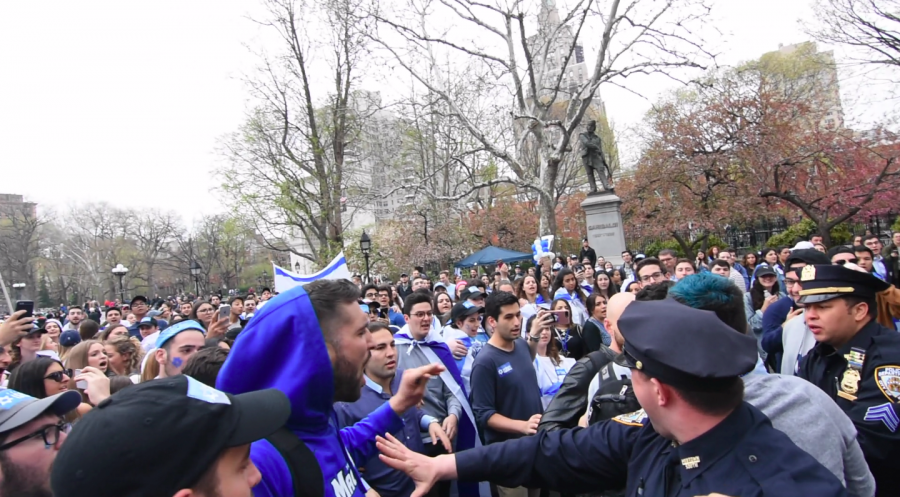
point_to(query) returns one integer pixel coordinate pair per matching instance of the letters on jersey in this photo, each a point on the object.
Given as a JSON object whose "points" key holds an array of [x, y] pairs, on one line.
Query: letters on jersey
{"points": [[344, 483]]}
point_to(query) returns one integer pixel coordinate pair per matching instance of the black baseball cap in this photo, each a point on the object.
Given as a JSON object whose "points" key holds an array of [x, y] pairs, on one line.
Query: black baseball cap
{"points": [[765, 270], [161, 436], [471, 292], [686, 348], [138, 298], [464, 309]]}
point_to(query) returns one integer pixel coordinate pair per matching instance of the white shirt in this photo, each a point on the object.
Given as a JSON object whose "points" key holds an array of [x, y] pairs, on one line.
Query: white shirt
{"points": [[550, 376]]}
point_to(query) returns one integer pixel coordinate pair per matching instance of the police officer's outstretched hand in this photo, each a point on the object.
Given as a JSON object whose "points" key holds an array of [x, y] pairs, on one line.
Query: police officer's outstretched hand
{"points": [[423, 470]]}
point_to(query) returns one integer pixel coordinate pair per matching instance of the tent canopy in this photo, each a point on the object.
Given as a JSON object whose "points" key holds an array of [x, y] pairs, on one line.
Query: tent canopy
{"points": [[490, 255]]}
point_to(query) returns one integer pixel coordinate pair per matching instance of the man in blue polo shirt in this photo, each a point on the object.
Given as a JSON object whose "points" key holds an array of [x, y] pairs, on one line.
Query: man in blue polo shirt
{"points": [[382, 382]]}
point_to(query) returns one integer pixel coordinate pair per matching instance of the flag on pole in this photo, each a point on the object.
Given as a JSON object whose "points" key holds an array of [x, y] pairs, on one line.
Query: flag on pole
{"points": [[335, 270]]}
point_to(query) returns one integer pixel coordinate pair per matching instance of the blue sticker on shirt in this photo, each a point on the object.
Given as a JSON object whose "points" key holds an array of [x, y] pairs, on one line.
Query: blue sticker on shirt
{"points": [[9, 398], [206, 393], [504, 369]]}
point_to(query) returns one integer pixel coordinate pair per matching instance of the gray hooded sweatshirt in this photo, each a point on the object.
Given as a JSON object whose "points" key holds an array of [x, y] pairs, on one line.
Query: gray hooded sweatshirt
{"points": [[814, 423]]}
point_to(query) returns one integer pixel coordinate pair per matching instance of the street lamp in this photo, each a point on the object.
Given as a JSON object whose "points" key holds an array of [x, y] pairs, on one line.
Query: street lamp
{"points": [[365, 244], [120, 271], [196, 269], [19, 287]]}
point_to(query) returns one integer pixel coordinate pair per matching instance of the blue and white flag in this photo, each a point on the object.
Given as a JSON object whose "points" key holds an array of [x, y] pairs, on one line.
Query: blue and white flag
{"points": [[542, 247], [335, 270]]}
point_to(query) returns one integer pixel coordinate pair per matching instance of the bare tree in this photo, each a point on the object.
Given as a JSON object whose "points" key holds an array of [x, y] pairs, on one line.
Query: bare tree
{"points": [[288, 163], [870, 27], [153, 233], [545, 109], [20, 243]]}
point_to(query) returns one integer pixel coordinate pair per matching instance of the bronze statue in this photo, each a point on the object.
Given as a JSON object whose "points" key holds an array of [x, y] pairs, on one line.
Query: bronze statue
{"points": [[594, 161]]}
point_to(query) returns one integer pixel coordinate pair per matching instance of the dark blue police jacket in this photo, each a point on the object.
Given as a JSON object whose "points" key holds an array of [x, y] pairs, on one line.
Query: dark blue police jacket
{"points": [[743, 455]]}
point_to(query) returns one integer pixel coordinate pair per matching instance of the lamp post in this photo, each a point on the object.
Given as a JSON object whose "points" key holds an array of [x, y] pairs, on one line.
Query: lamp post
{"points": [[265, 279], [19, 287], [365, 244], [120, 271], [196, 269]]}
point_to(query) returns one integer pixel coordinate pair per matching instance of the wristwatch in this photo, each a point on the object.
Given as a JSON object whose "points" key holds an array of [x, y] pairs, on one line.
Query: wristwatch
{"points": [[532, 338]]}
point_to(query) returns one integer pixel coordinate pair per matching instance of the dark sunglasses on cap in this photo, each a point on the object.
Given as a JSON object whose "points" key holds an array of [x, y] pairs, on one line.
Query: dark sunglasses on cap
{"points": [[57, 376], [842, 262]]}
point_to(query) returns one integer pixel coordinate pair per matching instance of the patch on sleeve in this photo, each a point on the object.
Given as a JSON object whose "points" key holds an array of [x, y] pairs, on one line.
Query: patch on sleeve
{"points": [[635, 418], [884, 413], [888, 380]]}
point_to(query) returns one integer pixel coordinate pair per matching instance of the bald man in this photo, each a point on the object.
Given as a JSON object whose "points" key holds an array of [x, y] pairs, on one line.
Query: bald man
{"points": [[572, 402], [614, 309]]}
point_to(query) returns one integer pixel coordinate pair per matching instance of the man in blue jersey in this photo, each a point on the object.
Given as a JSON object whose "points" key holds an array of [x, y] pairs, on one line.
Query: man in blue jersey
{"points": [[312, 343]]}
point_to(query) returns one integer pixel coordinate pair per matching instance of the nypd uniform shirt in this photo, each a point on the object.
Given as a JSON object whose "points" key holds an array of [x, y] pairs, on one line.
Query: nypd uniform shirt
{"points": [[863, 377], [742, 456]]}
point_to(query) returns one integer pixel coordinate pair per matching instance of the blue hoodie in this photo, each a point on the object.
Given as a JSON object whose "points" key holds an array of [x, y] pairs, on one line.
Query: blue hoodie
{"points": [[282, 347]]}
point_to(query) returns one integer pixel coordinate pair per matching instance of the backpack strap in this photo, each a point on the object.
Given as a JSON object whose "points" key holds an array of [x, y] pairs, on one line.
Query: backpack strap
{"points": [[306, 475]]}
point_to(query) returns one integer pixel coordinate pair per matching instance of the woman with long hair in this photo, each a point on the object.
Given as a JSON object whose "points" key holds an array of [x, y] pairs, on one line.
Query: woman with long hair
{"points": [[442, 306], [604, 286], [764, 291], [203, 312], [770, 259], [551, 368], [528, 292], [25, 349], [749, 262], [54, 328], [565, 286], [608, 266], [90, 358], [124, 357], [113, 332], [713, 253], [566, 332], [700, 262], [46, 376], [594, 332], [617, 276], [546, 284]]}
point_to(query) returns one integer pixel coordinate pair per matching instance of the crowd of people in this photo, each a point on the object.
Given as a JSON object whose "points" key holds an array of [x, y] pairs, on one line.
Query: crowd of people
{"points": [[768, 373]]}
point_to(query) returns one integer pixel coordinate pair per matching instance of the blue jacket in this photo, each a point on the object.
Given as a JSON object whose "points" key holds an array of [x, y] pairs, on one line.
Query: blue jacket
{"points": [[387, 481], [772, 320], [282, 347]]}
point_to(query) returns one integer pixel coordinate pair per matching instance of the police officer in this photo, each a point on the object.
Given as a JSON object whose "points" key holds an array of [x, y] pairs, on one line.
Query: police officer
{"points": [[856, 361], [686, 366]]}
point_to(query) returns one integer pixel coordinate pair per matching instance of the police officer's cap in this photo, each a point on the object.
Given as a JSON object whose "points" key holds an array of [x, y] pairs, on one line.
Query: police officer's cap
{"points": [[686, 348], [827, 282]]}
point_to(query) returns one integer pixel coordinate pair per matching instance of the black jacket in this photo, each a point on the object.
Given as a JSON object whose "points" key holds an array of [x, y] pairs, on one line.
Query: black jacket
{"points": [[570, 402], [590, 254]]}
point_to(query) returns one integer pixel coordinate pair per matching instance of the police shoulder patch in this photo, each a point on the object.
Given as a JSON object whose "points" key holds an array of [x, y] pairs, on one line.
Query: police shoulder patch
{"points": [[635, 418], [888, 380]]}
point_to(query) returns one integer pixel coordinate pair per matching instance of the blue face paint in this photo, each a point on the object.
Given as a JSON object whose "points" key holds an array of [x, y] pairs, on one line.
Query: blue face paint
{"points": [[176, 361]]}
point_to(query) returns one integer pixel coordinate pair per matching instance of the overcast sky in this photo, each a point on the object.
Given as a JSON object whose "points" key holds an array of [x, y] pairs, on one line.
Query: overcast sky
{"points": [[124, 101]]}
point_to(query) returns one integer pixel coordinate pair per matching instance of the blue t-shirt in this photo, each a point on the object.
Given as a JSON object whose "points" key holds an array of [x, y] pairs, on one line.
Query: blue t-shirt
{"points": [[504, 383]]}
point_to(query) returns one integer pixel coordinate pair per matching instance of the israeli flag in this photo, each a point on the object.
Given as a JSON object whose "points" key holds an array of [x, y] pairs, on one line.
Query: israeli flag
{"points": [[335, 270], [542, 247]]}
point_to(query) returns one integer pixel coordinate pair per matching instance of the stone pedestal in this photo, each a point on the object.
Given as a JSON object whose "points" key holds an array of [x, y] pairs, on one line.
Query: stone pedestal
{"points": [[605, 232]]}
